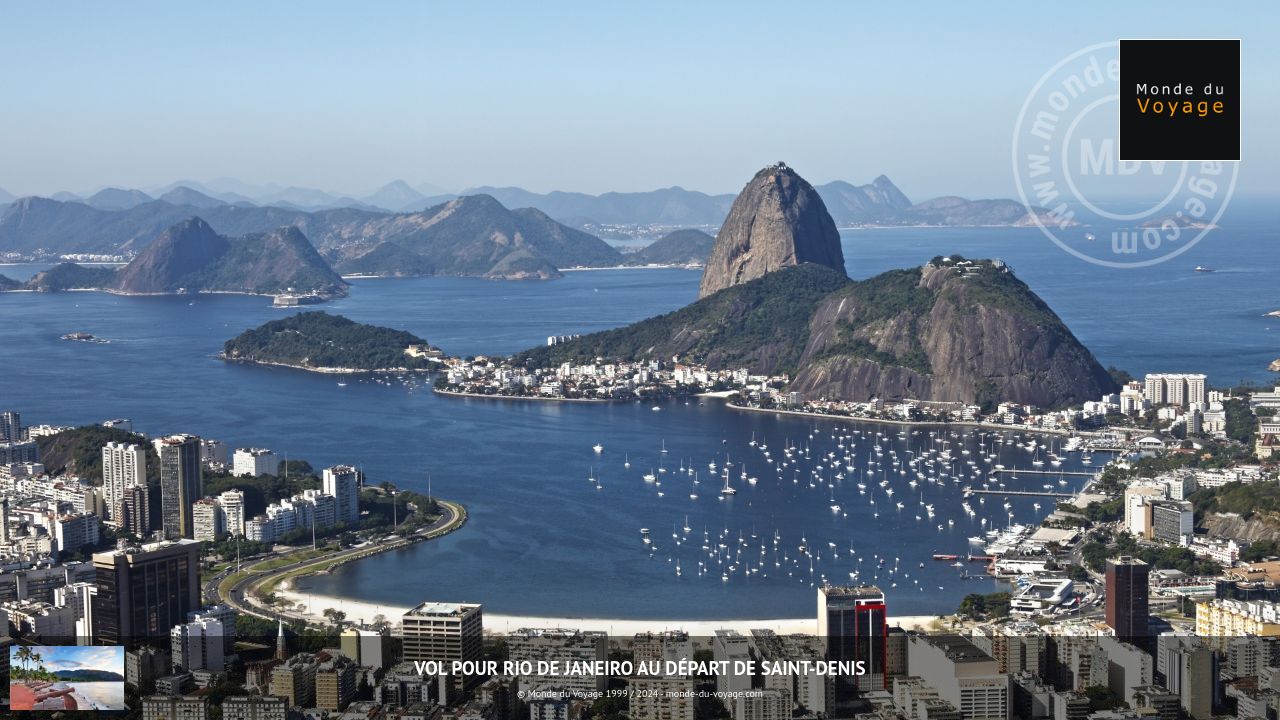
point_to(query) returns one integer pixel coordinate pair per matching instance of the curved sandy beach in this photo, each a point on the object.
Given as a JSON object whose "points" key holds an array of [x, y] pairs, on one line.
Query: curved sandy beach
{"points": [[359, 611]]}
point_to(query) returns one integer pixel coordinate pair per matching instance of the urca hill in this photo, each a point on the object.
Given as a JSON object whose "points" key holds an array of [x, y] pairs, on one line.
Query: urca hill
{"points": [[776, 298]]}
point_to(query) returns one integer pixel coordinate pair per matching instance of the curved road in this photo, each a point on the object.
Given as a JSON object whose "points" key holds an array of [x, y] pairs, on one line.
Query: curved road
{"points": [[236, 594]]}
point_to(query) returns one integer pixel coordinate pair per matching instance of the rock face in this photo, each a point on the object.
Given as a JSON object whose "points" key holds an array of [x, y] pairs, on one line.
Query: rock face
{"points": [[778, 220], [180, 251], [190, 256], [959, 331]]}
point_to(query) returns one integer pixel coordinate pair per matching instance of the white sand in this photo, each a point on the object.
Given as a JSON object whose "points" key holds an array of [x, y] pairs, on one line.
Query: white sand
{"points": [[356, 610]]}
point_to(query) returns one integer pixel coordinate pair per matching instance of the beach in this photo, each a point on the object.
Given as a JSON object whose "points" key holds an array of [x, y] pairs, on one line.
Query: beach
{"points": [[314, 606]]}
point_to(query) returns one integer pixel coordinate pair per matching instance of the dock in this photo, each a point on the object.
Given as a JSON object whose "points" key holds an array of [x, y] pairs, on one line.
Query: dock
{"points": [[1026, 493], [1073, 473]]}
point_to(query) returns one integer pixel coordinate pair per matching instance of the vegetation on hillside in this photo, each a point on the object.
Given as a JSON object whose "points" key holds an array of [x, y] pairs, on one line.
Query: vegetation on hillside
{"points": [[79, 451], [72, 276], [320, 340], [766, 319], [883, 298], [1159, 557], [1243, 499]]}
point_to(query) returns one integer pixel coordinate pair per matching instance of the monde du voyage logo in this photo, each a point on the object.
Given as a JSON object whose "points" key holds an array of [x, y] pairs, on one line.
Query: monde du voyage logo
{"points": [[1124, 152]]}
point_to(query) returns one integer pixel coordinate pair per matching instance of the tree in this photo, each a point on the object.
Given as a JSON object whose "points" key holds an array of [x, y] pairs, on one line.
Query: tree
{"points": [[337, 617]]}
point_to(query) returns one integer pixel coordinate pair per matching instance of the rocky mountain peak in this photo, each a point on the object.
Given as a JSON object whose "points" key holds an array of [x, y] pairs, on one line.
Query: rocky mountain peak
{"points": [[777, 221]]}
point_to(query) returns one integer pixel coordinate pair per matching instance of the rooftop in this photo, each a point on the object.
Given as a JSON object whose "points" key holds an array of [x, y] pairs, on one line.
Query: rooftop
{"points": [[443, 609], [956, 648]]}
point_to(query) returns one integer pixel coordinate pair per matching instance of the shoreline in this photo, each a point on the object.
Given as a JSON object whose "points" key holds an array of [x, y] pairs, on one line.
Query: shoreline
{"points": [[322, 370], [887, 421], [538, 398], [633, 267], [364, 611]]}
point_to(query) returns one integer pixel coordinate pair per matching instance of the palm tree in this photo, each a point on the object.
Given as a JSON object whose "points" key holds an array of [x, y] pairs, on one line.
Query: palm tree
{"points": [[24, 656]]}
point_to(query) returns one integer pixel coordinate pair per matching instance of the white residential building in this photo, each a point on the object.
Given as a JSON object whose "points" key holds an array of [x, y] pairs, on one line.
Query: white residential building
{"points": [[206, 518], [231, 502], [252, 462], [341, 481], [124, 465]]}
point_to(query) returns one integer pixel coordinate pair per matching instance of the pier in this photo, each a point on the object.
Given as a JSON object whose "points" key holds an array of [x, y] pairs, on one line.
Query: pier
{"points": [[1055, 473], [1027, 493]]}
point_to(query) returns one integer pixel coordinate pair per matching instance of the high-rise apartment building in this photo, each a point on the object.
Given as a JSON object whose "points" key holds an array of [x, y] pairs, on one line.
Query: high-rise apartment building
{"points": [[341, 481], [124, 465], [181, 483], [1127, 611]]}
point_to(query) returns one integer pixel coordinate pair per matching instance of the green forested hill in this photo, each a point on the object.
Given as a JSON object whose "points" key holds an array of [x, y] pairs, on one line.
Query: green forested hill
{"points": [[317, 340]]}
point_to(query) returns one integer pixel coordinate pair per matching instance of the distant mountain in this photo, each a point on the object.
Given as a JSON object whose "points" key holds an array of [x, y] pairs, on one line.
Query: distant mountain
{"points": [[185, 196], [64, 196], [956, 211], [7, 284], [777, 221], [117, 199], [89, 675], [427, 189], [473, 235], [852, 203], [5, 197], [70, 276], [33, 224], [387, 259], [882, 203], [668, 206], [190, 256], [396, 196], [681, 247], [300, 198]]}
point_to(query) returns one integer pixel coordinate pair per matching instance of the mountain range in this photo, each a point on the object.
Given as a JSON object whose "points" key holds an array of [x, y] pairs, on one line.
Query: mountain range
{"points": [[472, 235], [775, 298], [877, 203]]}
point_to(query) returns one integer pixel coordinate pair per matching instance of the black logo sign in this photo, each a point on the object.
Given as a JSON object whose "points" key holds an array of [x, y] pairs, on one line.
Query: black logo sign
{"points": [[1179, 99]]}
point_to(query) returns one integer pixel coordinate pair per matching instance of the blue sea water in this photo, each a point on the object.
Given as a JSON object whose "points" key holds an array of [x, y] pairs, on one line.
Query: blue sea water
{"points": [[541, 539]]}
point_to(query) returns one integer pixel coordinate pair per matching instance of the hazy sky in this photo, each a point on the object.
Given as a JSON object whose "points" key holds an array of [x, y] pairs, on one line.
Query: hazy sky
{"points": [[589, 97]]}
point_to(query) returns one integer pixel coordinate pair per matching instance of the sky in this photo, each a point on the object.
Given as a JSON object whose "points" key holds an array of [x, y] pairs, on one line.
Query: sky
{"points": [[589, 97], [78, 657]]}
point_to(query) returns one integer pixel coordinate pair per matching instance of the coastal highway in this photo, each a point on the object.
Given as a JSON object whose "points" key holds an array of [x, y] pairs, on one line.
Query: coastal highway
{"points": [[232, 588]]}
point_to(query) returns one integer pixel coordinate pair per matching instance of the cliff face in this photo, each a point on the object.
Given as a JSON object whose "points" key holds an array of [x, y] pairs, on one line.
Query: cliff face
{"points": [[164, 265], [965, 331], [778, 220]]}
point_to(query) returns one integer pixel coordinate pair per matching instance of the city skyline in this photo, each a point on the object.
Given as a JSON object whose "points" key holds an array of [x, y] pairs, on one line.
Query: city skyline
{"points": [[611, 100]]}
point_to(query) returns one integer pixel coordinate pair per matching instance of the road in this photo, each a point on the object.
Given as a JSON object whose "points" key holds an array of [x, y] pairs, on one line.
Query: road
{"points": [[236, 594]]}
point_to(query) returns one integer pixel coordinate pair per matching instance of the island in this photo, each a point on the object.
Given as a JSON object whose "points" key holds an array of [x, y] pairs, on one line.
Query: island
{"points": [[85, 337], [319, 342]]}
